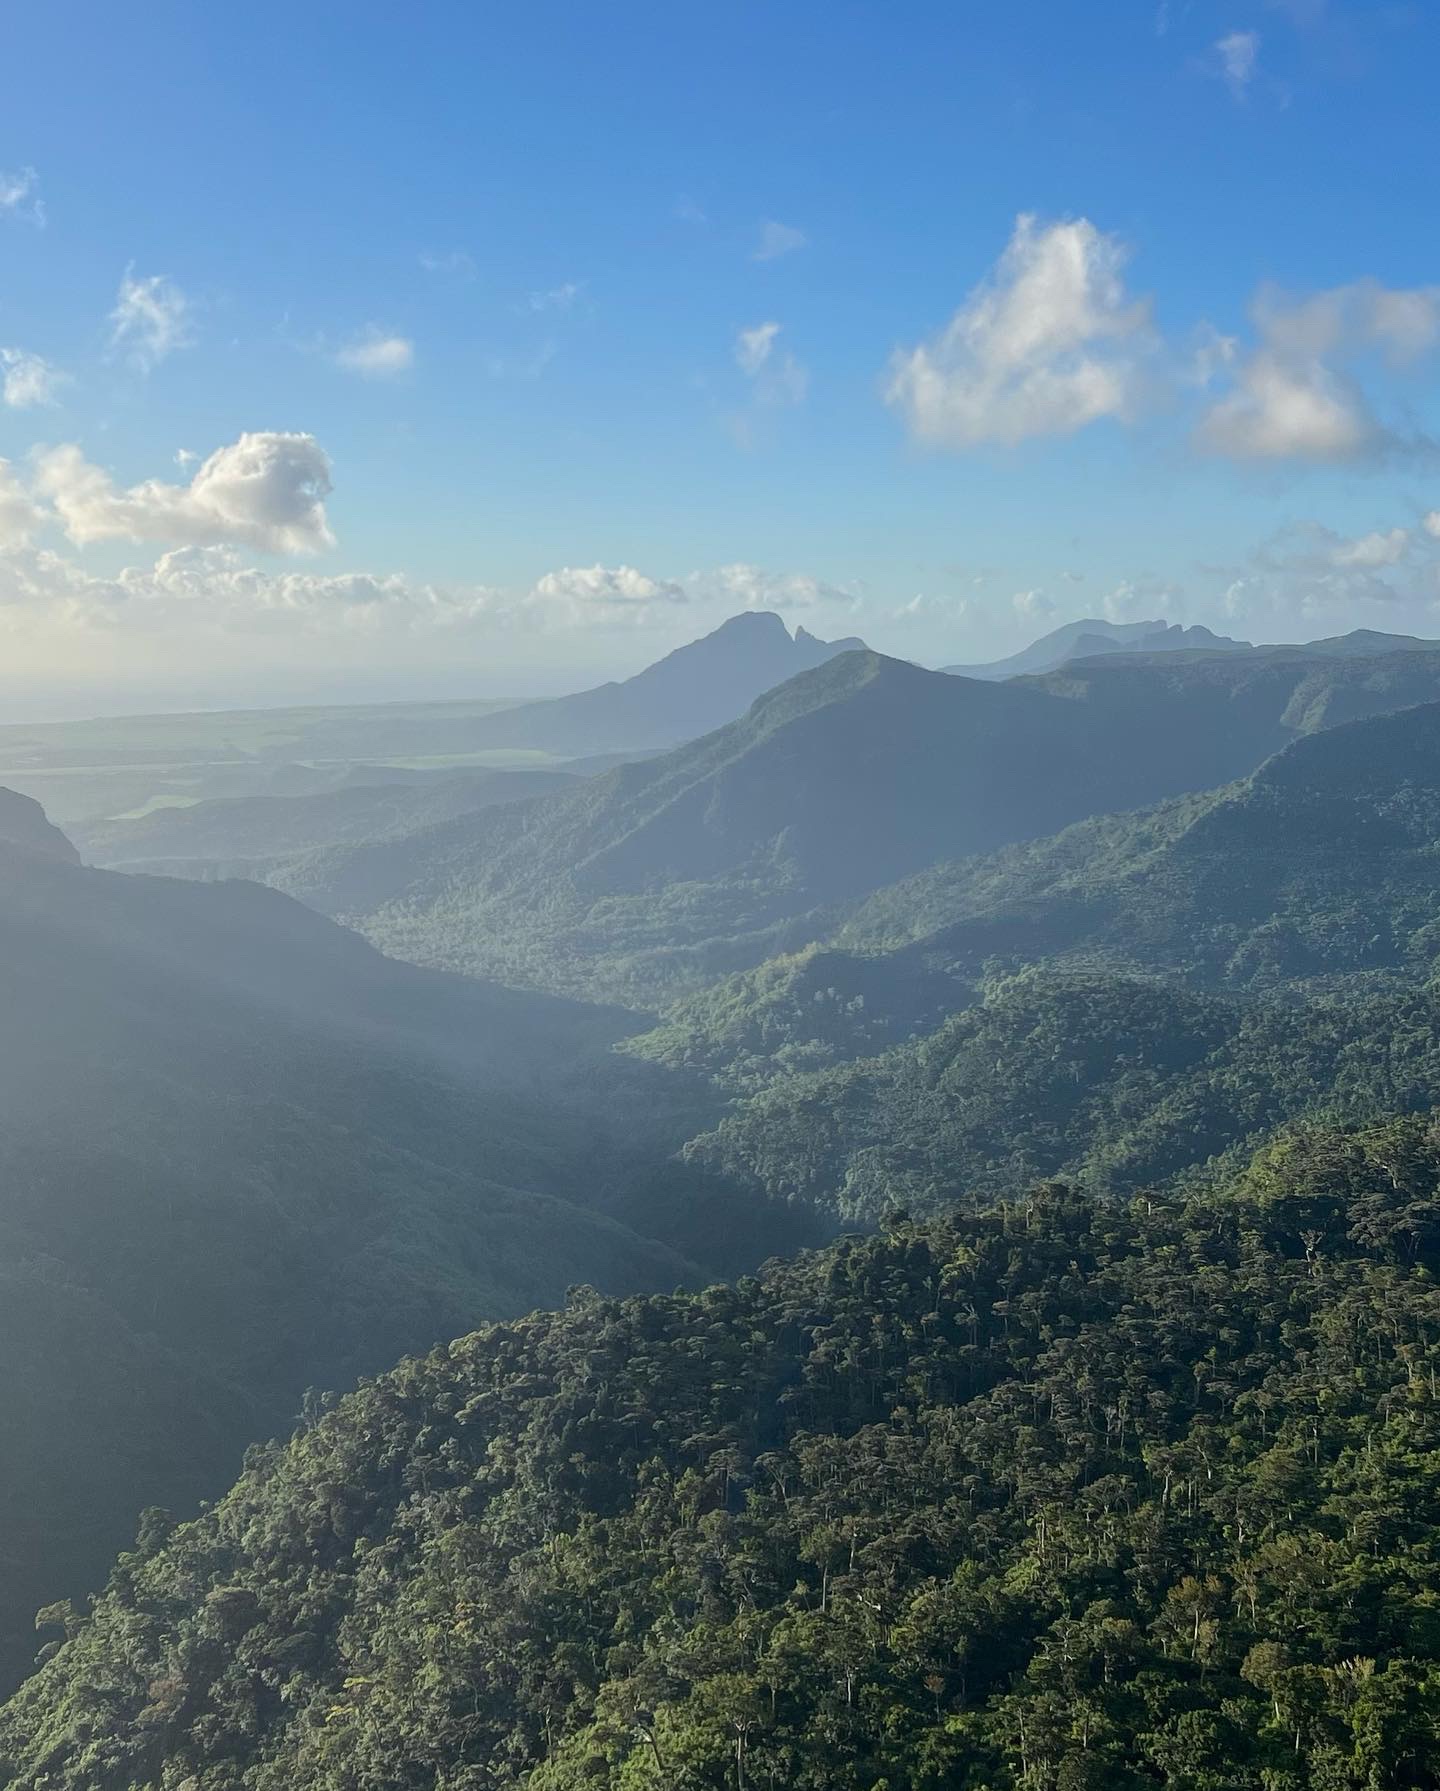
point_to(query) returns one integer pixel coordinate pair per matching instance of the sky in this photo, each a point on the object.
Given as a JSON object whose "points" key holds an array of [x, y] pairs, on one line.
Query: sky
{"points": [[350, 351]]}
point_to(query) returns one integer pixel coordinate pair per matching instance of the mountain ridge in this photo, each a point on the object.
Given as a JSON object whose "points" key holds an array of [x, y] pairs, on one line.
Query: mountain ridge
{"points": [[690, 691], [660, 875]]}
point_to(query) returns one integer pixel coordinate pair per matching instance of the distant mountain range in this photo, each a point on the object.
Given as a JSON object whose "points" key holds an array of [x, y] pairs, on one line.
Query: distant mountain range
{"points": [[1092, 638], [658, 877], [689, 692], [1089, 638]]}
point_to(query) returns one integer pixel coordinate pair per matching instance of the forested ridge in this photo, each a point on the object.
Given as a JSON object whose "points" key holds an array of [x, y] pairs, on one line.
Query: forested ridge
{"points": [[647, 884], [1048, 1492]]}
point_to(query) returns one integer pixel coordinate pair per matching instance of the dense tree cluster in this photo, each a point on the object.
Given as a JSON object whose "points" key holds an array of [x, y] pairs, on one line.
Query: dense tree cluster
{"points": [[1114, 1080], [1050, 1494]]}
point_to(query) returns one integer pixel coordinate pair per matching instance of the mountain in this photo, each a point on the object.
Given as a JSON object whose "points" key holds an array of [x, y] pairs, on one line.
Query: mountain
{"points": [[689, 692], [23, 824], [1091, 637], [229, 831], [1362, 641], [1118, 1002], [659, 877], [1321, 863], [1041, 1493], [242, 1155]]}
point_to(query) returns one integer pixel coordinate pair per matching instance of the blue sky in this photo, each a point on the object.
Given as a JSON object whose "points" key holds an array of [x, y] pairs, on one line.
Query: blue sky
{"points": [[354, 350]]}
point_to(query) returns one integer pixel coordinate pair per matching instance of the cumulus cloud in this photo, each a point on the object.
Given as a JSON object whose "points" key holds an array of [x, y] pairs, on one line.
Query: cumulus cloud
{"points": [[605, 596], [375, 355], [1308, 573], [600, 595], [1295, 397], [1140, 599], [219, 576], [921, 608], [743, 586], [1238, 57], [1430, 522], [20, 195], [776, 240], [1047, 344], [151, 319], [1032, 606], [265, 491], [214, 588], [27, 380], [1383, 547]]}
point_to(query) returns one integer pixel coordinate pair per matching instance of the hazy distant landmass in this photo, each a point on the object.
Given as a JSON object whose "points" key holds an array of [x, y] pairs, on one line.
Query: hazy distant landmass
{"points": [[1091, 637], [687, 693]]}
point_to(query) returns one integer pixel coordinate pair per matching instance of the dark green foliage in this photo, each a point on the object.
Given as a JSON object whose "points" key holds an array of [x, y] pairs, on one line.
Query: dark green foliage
{"points": [[1046, 1496], [1115, 1080], [800, 1012]]}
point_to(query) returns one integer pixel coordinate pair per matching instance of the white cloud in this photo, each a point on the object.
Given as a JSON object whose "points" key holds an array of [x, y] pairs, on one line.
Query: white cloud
{"points": [[1140, 599], [1032, 606], [752, 347], [777, 240], [1383, 547], [213, 587], [265, 491], [1239, 57], [217, 575], [1294, 397], [1283, 409], [28, 380], [557, 298], [376, 355], [151, 319], [741, 585], [1402, 322], [605, 596], [600, 595], [1048, 343], [1430, 522], [777, 379], [20, 195], [921, 608], [1308, 575]]}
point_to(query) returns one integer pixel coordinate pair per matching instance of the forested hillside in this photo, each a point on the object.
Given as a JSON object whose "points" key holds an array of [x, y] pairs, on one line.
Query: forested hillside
{"points": [[1118, 1001], [243, 1154], [1047, 1493], [658, 878]]}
